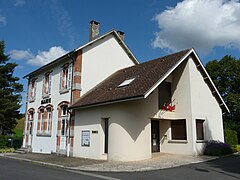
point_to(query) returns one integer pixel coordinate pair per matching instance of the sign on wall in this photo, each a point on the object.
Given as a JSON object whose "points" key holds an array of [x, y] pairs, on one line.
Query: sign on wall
{"points": [[86, 138]]}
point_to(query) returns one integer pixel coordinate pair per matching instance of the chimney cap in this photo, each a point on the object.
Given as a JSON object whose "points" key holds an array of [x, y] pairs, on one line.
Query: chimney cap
{"points": [[94, 22], [120, 32]]}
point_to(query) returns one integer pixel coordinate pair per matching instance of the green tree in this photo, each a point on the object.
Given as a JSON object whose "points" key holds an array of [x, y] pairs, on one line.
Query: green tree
{"points": [[226, 76], [10, 93]]}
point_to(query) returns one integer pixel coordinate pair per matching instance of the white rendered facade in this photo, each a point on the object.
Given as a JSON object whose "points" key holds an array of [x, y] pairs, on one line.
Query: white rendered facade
{"points": [[93, 62]]}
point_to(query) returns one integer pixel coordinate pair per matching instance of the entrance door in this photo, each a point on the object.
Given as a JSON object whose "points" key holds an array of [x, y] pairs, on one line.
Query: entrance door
{"points": [[63, 134], [155, 136], [30, 133]]}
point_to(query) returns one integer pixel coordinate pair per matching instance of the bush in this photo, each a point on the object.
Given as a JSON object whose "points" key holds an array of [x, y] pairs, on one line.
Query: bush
{"points": [[3, 142], [217, 148], [236, 148], [7, 150], [231, 137]]}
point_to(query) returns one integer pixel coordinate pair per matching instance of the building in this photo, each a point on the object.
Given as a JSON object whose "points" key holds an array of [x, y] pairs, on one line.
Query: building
{"points": [[169, 105], [49, 125]]}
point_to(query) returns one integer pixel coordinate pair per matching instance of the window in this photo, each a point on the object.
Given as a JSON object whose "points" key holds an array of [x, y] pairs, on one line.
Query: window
{"points": [[47, 84], [126, 82], [41, 114], [32, 90], [65, 77], [64, 118], [178, 128], [165, 94], [31, 115], [49, 120], [199, 129]]}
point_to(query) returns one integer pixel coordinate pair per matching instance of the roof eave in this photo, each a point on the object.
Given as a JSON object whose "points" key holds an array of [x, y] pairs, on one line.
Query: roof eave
{"points": [[108, 102]]}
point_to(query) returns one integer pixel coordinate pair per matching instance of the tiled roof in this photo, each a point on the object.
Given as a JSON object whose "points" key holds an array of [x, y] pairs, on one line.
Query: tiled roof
{"points": [[146, 76]]}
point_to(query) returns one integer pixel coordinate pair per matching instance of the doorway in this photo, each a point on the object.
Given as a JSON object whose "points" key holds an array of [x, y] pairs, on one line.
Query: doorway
{"points": [[155, 136]]}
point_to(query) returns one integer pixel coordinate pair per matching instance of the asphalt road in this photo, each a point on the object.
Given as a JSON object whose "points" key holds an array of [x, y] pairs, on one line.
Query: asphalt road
{"points": [[220, 169]]}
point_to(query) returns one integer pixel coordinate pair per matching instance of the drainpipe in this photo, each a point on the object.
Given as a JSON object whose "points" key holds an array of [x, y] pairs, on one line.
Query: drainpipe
{"points": [[69, 111]]}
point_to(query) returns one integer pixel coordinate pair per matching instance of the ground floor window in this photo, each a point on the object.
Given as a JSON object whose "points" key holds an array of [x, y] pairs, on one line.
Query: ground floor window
{"points": [[199, 129], [178, 129]]}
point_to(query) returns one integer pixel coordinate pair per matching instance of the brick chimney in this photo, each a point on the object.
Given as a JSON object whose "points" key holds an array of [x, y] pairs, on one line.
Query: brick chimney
{"points": [[94, 30], [121, 35]]}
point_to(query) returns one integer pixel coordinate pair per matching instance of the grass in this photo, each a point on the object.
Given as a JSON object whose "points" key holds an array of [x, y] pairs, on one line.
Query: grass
{"points": [[19, 128]]}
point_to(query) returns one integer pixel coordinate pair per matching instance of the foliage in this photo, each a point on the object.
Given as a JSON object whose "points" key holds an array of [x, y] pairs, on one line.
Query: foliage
{"points": [[217, 148], [4, 142], [18, 130], [226, 76], [10, 93], [236, 148], [7, 150], [231, 137]]}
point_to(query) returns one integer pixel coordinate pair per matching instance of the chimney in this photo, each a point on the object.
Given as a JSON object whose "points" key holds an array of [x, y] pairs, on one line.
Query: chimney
{"points": [[121, 35], [94, 30]]}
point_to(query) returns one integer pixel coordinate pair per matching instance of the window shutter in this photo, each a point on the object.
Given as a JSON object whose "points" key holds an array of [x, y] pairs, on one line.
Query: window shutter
{"points": [[43, 86], [49, 83], [35, 88], [29, 92], [69, 76], [60, 82]]}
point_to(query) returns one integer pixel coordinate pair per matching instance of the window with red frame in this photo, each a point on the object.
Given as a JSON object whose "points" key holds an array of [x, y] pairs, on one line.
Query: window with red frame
{"points": [[65, 77]]}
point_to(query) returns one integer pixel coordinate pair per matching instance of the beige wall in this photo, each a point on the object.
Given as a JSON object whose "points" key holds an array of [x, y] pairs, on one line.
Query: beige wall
{"points": [[129, 130], [193, 100], [130, 122], [100, 60]]}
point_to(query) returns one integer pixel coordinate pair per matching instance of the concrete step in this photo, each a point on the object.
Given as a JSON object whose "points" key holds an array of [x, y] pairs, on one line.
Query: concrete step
{"points": [[23, 150]]}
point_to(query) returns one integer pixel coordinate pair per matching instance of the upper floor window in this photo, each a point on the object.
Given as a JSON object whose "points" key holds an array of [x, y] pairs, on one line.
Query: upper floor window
{"points": [[65, 77], [47, 84], [31, 115], [32, 90]]}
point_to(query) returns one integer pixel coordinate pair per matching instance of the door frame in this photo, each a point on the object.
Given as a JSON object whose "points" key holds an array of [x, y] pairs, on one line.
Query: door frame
{"points": [[156, 125]]}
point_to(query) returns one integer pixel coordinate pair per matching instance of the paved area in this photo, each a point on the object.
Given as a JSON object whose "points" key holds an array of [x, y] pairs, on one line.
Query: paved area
{"points": [[225, 168], [158, 161]]}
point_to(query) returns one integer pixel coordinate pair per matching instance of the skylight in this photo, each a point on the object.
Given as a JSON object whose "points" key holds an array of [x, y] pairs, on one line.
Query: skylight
{"points": [[126, 82]]}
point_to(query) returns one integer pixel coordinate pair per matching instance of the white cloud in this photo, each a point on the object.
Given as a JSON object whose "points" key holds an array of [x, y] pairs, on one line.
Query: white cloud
{"points": [[201, 24], [65, 26], [19, 2], [20, 54], [44, 57], [3, 20]]}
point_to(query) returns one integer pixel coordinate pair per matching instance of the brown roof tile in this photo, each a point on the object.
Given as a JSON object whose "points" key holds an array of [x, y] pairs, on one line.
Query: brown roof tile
{"points": [[146, 75]]}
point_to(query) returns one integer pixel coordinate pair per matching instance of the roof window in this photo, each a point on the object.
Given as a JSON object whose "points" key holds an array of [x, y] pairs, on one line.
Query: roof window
{"points": [[126, 82]]}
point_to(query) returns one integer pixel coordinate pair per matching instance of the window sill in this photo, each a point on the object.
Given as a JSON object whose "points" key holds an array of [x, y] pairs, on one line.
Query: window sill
{"points": [[63, 91], [201, 141], [43, 135], [31, 100], [178, 141], [46, 96]]}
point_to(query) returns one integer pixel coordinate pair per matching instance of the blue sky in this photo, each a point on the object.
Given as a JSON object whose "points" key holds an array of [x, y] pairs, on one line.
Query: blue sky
{"points": [[36, 32]]}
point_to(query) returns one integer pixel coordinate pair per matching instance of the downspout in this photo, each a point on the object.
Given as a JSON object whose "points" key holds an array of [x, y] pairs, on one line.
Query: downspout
{"points": [[69, 111]]}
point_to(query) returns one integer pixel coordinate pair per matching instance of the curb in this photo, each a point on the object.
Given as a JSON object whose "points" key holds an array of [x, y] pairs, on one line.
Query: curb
{"points": [[80, 168]]}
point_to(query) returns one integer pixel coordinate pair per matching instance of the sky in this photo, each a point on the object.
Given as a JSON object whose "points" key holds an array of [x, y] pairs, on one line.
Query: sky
{"points": [[38, 31]]}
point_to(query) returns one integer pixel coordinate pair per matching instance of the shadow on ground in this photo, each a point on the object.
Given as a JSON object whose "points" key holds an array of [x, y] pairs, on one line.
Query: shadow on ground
{"points": [[230, 164]]}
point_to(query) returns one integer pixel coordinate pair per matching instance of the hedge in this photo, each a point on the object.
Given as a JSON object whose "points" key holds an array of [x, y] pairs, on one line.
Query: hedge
{"points": [[231, 137]]}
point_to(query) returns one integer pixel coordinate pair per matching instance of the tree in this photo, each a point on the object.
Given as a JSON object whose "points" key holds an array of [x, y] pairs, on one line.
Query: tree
{"points": [[10, 93], [226, 76]]}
